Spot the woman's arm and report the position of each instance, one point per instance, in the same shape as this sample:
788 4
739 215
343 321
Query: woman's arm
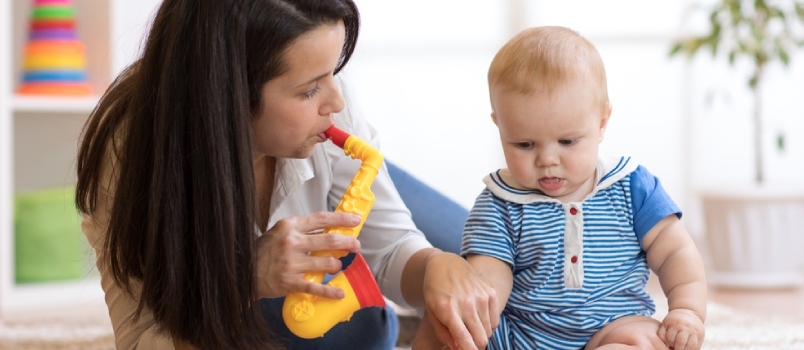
491 271
461 304
128 334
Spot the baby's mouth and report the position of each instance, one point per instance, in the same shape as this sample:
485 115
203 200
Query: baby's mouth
551 183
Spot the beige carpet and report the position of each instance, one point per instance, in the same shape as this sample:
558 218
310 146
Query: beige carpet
726 328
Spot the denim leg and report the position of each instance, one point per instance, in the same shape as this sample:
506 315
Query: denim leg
440 218
369 328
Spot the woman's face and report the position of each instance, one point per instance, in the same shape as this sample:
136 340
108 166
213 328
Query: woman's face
298 105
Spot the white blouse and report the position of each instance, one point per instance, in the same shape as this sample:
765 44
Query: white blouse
303 186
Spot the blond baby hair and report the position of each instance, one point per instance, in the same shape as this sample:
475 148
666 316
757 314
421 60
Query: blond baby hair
541 59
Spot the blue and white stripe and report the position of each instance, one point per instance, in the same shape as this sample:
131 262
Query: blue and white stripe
530 231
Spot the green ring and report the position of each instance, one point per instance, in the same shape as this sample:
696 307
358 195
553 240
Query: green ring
52 12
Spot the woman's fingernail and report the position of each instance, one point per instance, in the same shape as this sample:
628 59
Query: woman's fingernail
356 219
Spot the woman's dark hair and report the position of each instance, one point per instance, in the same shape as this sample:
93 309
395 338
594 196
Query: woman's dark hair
183 218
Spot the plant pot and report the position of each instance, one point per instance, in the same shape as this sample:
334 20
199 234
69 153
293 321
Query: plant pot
755 238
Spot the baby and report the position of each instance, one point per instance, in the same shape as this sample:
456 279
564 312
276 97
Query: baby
568 237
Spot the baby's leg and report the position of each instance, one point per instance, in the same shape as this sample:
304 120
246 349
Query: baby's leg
630 332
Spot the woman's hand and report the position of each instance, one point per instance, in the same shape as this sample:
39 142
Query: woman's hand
283 254
461 307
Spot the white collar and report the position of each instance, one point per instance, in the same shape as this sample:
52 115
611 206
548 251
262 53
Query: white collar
291 173
610 169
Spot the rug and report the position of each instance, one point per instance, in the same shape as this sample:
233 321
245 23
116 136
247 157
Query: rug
726 328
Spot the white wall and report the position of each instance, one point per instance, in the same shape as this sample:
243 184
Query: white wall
421 68
419 74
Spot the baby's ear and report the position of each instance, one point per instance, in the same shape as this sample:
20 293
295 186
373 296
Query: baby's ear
604 120
494 118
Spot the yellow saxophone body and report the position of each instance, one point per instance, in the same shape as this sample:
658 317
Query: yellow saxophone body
310 316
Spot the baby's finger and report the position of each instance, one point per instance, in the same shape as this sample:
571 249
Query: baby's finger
681 341
671 337
662 333
693 343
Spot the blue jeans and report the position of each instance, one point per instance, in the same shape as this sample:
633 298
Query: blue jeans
440 218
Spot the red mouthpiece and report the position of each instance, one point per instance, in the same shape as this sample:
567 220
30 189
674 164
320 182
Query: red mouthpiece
337 136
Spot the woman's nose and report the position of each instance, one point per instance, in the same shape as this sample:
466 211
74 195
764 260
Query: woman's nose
334 103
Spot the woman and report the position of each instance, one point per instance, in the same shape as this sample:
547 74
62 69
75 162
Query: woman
203 172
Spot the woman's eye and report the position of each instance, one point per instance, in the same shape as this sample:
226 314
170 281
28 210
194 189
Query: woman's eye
524 145
310 94
566 142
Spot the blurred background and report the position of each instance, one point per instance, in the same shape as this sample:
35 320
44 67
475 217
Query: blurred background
419 76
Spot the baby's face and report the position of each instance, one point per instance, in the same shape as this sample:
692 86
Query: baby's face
551 141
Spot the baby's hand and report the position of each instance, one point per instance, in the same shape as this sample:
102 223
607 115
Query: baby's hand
682 329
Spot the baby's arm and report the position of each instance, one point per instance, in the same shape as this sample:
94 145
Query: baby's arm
495 273
672 255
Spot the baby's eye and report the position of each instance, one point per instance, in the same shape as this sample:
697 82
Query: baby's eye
567 142
524 145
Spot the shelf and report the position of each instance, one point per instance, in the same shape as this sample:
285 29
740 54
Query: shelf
85 105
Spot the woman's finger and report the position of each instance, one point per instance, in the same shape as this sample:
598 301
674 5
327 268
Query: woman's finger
442 333
322 290
460 334
476 319
329 241
327 264
487 311
323 219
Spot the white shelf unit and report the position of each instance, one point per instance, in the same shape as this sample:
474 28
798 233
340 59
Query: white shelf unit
39 135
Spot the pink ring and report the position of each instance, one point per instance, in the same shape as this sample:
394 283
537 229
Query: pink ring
53 2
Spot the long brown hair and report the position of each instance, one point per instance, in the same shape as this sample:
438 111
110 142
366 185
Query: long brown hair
182 221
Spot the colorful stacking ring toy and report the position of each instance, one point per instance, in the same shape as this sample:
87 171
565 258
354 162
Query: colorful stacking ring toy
54 61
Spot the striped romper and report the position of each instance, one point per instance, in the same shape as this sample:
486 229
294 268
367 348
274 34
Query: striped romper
576 266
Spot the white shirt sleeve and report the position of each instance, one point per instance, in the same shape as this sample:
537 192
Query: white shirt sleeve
389 237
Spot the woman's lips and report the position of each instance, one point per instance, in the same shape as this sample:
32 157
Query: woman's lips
551 183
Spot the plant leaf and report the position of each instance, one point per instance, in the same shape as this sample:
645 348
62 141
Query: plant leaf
675 49
780 142
783 56
800 11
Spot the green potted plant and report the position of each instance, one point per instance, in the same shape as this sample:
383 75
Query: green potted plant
749 230
758 30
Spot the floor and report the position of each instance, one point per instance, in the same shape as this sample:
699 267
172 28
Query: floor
775 303
781 303
785 302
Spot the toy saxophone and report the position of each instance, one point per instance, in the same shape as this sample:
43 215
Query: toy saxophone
310 316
